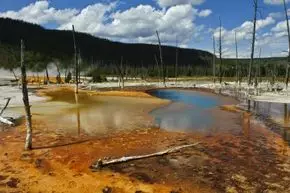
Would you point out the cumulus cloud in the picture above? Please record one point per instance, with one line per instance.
(205, 13)
(136, 24)
(40, 13)
(275, 2)
(243, 32)
(168, 3)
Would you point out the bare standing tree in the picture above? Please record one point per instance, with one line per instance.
(28, 141)
(121, 70)
(288, 32)
(158, 68)
(75, 61)
(253, 42)
(213, 60)
(161, 59)
(237, 59)
(257, 69)
(220, 52)
(176, 61)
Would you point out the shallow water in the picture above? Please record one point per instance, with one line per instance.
(92, 115)
(189, 110)
(275, 115)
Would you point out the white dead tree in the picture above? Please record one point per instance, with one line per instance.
(213, 60)
(158, 68)
(237, 59)
(2, 119)
(121, 71)
(161, 60)
(102, 163)
(28, 142)
(253, 42)
(288, 33)
(220, 52)
(75, 61)
(176, 61)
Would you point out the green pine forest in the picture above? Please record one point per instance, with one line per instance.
(44, 46)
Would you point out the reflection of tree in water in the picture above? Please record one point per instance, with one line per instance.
(78, 114)
(246, 124)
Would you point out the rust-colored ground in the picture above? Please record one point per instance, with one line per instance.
(252, 160)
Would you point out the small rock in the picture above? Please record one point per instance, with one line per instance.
(3, 177)
(107, 190)
(239, 178)
(38, 163)
(139, 191)
(13, 182)
(231, 190)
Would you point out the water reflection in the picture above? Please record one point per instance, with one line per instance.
(190, 111)
(246, 124)
(104, 114)
(275, 115)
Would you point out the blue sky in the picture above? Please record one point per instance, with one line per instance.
(191, 22)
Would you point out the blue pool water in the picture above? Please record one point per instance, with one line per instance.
(188, 111)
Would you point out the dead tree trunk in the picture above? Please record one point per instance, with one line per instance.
(58, 77)
(253, 42)
(79, 66)
(120, 70)
(158, 68)
(28, 142)
(237, 59)
(213, 60)
(220, 52)
(176, 62)
(47, 76)
(288, 33)
(161, 59)
(12, 70)
(5, 106)
(102, 163)
(76, 61)
(257, 70)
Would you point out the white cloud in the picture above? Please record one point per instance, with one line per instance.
(136, 24)
(275, 2)
(168, 3)
(244, 31)
(90, 19)
(205, 13)
(41, 13)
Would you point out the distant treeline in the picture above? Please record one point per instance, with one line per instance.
(44, 46)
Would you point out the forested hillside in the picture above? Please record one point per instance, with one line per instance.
(46, 45)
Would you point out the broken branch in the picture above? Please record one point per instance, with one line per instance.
(7, 103)
(102, 163)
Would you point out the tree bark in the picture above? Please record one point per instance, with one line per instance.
(237, 59)
(161, 59)
(76, 61)
(6, 105)
(288, 33)
(158, 68)
(253, 42)
(220, 52)
(47, 76)
(28, 142)
(213, 60)
(176, 62)
(102, 163)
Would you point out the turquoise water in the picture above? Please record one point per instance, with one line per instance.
(189, 110)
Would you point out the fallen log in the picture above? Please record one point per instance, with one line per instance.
(6, 121)
(102, 163)
(6, 105)
(2, 119)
